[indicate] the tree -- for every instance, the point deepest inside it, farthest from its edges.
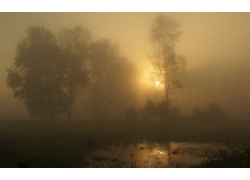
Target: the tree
(112, 79)
(168, 66)
(47, 73)
(37, 75)
(164, 110)
(74, 44)
(215, 111)
(75, 41)
(149, 110)
(103, 54)
(122, 85)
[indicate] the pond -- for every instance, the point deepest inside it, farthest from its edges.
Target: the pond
(146, 154)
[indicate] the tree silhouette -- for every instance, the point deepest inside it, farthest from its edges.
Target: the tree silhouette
(74, 44)
(149, 110)
(37, 75)
(112, 80)
(122, 85)
(215, 111)
(163, 109)
(198, 113)
(75, 41)
(168, 67)
(103, 54)
(47, 73)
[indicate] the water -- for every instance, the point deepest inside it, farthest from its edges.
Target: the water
(148, 155)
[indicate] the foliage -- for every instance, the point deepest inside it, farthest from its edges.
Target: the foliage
(215, 111)
(122, 86)
(103, 54)
(75, 41)
(74, 44)
(112, 79)
(162, 109)
(149, 110)
(212, 113)
(44, 75)
(168, 67)
(226, 157)
(37, 74)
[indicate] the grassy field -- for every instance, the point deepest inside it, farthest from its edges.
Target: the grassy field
(63, 144)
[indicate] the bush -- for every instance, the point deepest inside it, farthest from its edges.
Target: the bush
(226, 157)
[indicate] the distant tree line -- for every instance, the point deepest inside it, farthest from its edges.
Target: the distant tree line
(213, 112)
(153, 111)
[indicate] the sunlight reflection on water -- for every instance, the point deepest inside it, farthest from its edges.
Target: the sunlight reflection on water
(149, 154)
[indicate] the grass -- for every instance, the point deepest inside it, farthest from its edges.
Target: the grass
(69, 145)
(226, 157)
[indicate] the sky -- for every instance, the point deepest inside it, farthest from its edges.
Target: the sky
(216, 46)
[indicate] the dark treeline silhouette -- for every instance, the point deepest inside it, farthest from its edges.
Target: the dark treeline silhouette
(49, 71)
(213, 113)
(160, 111)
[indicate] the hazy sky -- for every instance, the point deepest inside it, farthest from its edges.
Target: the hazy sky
(216, 46)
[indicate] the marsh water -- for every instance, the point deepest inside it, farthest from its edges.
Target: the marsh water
(149, 154)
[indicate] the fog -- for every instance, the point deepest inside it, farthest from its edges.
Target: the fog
(215, 45)
(126, 90)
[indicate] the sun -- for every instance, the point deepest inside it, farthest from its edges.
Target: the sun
(157, 83)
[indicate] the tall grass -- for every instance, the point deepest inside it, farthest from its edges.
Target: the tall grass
(226, 157)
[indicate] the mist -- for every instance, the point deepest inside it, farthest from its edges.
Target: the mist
(215, 45)
(99, 80)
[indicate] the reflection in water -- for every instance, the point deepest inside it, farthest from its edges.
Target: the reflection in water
(148, 154)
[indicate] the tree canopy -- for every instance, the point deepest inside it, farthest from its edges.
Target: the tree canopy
(45, 75)
(74, 44)
(168, 66)
(112, 79)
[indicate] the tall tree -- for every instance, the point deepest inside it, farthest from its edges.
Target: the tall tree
(168, 66)
(37, 74)
(103, 54)
(74, 44)
(48, 71)
(112, 79)
(122, 86)
(75, 41)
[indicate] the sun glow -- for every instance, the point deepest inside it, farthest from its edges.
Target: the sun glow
(157, 83)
